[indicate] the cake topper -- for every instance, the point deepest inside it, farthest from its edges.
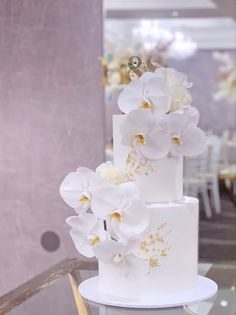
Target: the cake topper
(138, 67)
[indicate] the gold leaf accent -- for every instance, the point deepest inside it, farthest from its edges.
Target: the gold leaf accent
(155, 246)
(137, 165)
(128, 160)
(153, 262)
(143, 247)
(164, 252)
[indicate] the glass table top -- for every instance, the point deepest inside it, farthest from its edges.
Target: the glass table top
(52, 294)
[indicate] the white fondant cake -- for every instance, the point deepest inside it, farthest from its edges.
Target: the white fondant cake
(163, 184)
(141, 228)
(176, 256)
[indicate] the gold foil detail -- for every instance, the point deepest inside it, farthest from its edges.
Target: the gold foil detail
(153, 262)
(155, 247)
(143, 247)
(137, 165)
(164, 252)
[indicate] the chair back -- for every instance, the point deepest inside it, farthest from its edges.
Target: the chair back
(213, 154)
(194, 169)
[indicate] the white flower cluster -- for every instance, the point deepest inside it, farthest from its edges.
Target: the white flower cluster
(116, 219)
(159, 119)
(227, 78)
(110, 219)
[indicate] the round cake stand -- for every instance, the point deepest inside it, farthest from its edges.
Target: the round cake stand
(205, 289)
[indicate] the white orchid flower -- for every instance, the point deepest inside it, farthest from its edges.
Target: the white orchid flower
(186, 138)
(178, 85)
(145, 132)
(131, 221)
(123, 212)
(121, 256)
(111, 173)
(173, 77)
(77, 188)
(86, 232)
(147, 92)
(113, 198)
(180, 97)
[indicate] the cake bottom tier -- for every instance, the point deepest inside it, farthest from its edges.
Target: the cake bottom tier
(169, 251)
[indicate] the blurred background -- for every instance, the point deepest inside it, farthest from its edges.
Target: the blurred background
(63, 64)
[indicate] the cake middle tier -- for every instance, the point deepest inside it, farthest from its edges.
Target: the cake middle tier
(157, 181)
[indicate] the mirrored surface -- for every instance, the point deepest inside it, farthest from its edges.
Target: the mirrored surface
(58, 298)
(223, 303)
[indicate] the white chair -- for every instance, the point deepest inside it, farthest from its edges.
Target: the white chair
(195, 182)
(212, 174)
(224, 159)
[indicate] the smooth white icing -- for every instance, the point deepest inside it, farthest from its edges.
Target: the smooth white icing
(163, 184)
(177, 271)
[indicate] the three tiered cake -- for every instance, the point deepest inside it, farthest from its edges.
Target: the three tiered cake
(140, 227)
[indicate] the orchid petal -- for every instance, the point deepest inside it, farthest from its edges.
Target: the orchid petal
(81, 244)
(77, 187)
(193, 142)
(105, 201)
(158, 93)
(173, 77)
(87, 232)
(180, 97)
(146, 76)
(71, 189)
(148, 88)
(84, 222)
(192, 115)
(135, 218)
(105, 251)
(111, 173)
(179, 120)
(113, 198)
(157, 145)
(176, 122)
(139, 121)
(131, 97)
(91, 180)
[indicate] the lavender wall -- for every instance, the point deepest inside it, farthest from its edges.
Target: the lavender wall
(203, 70)
(51, 120)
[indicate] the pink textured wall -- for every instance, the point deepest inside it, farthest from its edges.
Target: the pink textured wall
(202, 70)
(51, 120)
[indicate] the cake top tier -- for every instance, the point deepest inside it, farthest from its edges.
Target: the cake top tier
(159, 119)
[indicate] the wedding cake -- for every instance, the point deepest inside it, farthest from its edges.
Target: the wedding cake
(131, 214)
